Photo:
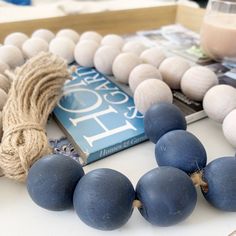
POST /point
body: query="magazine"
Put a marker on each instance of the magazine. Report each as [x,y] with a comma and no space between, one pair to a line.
[97,116]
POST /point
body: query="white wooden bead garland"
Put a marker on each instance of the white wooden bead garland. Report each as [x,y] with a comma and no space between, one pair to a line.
[194,82]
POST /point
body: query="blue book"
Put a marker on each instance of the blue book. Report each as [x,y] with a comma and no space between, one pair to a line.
[98,117]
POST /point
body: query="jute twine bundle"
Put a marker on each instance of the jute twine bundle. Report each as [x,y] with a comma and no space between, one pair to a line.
[35,91]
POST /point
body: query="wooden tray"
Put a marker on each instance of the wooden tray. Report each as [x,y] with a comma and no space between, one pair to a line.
[120,22]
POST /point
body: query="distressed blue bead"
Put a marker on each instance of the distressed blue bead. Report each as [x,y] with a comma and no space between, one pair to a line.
[103,199]
[161,118]
[220,175]
[182,150]
[52,180]
[167,194]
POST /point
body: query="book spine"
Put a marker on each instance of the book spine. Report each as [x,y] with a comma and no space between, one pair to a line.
[115,148]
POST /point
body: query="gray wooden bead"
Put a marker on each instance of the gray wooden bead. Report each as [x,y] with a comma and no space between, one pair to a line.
[68,33]
[33,46]
[44,34]
[63,47]
[5,84]
[229,127]
[219,101]
[16,39]
[113,40]
[91,35]
[123,65]
[153,56]
[12,56]
[135,47]
[104,58]
[197,81]
[172,70]
[141,73]
[1,130]
[149,92]
[3,98]
[84,52]
[3,67]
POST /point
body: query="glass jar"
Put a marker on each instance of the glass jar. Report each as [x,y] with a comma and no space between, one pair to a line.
[218,31]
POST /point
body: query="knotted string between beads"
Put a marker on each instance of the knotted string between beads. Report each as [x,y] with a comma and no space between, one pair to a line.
[34,93]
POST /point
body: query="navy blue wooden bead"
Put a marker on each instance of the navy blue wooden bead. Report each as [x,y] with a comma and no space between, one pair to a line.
[52,180]
[161,118]
[103,199]
[220,175]
[182,150]
[167,194]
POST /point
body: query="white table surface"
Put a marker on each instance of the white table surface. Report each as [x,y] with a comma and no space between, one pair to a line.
[19,216]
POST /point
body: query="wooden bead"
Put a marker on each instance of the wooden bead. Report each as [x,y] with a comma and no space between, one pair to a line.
[123,65]
[104,58]
[3,98]
[229,127]
[16,39]
[91,35]
[153,56]
[219,101]
[172,70]
[113,40]
[5,84]
[135,47]
[11,55]
[45,34]
[69,33]
[3,67]
[85,51]
[1,130]
[197,81]
[141,73]
[63,47]
[149,92]
[33,46]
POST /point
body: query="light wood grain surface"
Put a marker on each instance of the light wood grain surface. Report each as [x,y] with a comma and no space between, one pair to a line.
[125,21]
[190,17]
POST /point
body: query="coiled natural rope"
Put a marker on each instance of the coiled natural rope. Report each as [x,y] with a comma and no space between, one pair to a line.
[34,92]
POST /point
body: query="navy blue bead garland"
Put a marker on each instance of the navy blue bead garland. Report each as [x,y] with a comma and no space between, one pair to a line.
[104,198]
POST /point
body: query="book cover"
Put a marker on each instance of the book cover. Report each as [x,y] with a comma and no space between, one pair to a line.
[97,116]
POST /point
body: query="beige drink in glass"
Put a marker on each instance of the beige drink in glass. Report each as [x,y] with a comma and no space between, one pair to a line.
[218,31]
